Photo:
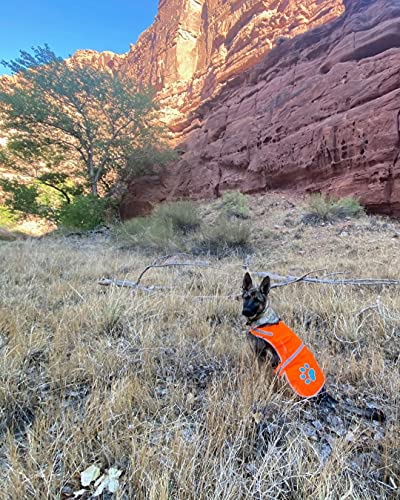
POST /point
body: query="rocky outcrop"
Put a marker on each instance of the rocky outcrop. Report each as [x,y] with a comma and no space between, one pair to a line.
[195,46]
[319,112]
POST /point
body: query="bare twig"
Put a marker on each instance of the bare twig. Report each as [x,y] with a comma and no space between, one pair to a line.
[365,309]
[385,313]
[292,279]
[157,264]
[172,264]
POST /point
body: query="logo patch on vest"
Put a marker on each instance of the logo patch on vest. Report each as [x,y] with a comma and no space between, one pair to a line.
[307,374]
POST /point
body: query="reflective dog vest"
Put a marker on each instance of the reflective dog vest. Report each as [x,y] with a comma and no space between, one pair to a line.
[297,362]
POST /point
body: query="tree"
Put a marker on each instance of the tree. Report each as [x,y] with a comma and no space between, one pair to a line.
[68,120]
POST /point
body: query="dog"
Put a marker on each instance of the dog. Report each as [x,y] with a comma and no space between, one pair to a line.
[266,330]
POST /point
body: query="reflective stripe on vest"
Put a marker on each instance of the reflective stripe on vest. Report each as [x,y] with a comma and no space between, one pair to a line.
[297,362]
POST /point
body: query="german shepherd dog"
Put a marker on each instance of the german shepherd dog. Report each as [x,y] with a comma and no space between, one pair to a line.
[257,310]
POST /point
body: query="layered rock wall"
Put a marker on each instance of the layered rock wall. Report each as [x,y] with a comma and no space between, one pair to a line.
[320,111]
[195,46]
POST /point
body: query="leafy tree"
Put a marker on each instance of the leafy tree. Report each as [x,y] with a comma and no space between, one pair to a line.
[67,120]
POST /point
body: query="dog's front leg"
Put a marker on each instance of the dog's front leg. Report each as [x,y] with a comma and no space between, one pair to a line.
[263,350]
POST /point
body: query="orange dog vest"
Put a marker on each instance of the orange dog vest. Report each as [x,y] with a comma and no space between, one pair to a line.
[297,362]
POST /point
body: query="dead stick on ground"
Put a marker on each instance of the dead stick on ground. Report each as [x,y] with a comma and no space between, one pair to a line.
[306,279]
[173,264]
[132,284]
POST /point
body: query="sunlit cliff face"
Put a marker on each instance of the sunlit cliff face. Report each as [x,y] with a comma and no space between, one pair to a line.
[195,46]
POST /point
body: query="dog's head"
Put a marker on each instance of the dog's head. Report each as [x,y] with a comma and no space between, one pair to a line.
[255,300]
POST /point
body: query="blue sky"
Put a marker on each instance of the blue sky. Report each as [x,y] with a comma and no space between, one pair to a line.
[70,25]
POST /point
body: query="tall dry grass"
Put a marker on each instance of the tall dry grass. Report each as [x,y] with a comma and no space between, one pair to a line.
[164,387]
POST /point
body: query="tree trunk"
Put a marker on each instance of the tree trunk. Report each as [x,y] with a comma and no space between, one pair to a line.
[93,188]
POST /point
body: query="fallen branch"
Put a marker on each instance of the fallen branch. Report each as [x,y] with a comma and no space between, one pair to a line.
[173,264]
[132,284]
[294,279]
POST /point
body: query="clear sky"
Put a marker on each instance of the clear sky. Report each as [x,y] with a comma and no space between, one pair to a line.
[68,25]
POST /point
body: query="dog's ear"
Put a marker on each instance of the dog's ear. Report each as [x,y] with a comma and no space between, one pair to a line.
[247,282]
[265,285]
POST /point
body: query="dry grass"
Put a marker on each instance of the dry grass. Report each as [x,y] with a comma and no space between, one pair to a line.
[164,387]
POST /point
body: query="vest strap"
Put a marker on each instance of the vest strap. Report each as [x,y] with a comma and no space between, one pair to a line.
[281,368]
[262,332]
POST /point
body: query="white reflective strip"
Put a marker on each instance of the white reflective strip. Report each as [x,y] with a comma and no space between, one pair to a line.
[290,358]
[262,332]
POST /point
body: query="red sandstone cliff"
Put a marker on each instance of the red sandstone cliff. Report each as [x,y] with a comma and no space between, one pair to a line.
[318,112]
[195,46]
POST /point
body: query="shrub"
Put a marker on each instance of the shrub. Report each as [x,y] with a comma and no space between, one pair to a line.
[85,212]
[226,235]
[182,215]
[7,217]
[176,227]
[321,208]
[235,204]
[347,207]
[149,233]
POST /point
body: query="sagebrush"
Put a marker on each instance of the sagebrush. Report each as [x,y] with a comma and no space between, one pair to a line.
[321,208]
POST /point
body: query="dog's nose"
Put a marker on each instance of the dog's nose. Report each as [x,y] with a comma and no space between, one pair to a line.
[247,312]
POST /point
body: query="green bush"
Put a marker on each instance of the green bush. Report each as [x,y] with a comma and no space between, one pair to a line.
[235,204]
[182,215]
[347,207]
[226,235]
[321,208]
[7,217]
[86,212]
[149,233]
[176,227]
[167,229]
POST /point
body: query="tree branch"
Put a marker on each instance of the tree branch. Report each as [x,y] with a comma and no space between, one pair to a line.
[64,193]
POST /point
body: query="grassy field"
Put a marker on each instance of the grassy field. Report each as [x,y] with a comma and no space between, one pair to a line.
[164,387]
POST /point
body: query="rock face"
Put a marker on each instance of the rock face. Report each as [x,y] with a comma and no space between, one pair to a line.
[318,112]
[194,46]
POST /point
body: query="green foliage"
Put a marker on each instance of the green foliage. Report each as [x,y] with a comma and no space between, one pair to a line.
[7,217]
[167,229]
[77,120]
[31,199]
[177,227]
[149,233]
[21,198]
[226,235]
[41,56]
[321,208]
[235,204]
[183,216]
[348,207]
[85,213]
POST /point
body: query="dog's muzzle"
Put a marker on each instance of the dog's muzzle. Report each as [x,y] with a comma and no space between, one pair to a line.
[249,312]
